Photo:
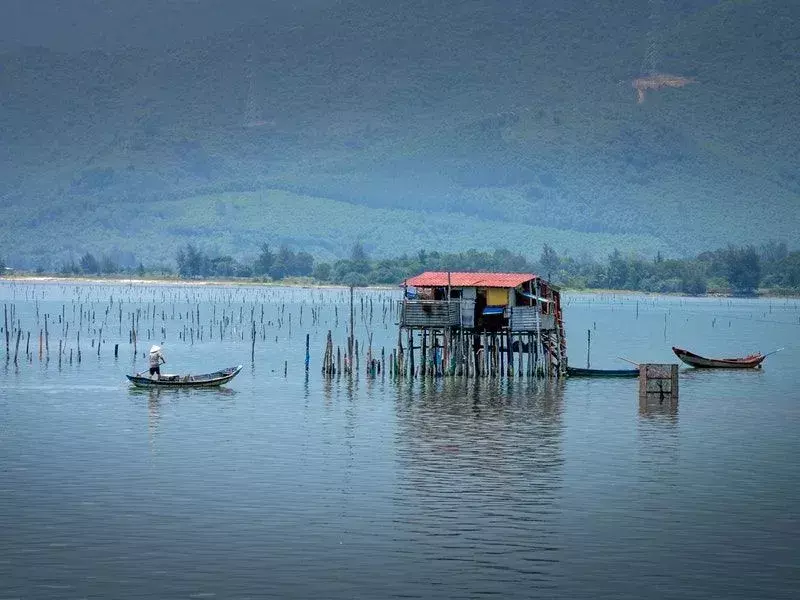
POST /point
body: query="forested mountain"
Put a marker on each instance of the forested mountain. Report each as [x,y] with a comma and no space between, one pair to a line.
[440,125]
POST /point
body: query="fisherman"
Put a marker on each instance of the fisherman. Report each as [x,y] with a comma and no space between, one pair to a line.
[156,359]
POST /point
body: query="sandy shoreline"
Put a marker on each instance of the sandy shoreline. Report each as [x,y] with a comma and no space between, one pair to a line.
[180,282]
[35,279]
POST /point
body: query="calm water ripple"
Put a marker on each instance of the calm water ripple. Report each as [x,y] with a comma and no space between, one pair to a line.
[298,487]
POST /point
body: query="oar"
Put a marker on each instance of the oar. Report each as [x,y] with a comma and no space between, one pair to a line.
[627,360]
[773,352]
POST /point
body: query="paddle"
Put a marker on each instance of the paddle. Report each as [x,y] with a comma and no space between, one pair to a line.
[627,360]
[773,352]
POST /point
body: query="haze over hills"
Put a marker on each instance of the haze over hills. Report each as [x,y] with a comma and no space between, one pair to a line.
[447,125]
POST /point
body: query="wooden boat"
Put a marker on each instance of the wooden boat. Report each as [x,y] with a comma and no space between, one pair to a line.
[205,380]
[695,360]
[576,372]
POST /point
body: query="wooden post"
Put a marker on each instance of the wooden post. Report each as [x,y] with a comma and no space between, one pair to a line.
[5,320]
[588,346]
[411,352]
[510,354]
[16,349]
[351,338]
[308,350]
[658,387]
[253,342]
[424,352]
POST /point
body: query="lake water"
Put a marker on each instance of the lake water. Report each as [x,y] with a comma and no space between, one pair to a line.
[299,487]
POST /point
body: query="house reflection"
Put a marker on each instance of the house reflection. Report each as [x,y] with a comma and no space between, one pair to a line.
[481,462]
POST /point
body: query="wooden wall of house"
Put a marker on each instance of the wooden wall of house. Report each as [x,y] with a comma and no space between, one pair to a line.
[427,313]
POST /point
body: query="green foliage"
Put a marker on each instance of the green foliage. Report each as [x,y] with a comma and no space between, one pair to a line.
[563,155]
[743,269]
[194,263]
[322,272]
[263,264]
[89,264]
[731,269]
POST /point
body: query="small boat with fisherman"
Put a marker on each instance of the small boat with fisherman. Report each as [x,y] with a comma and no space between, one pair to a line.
[166,380]
[752,361]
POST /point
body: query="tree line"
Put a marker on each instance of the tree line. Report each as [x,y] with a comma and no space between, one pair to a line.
[733,269]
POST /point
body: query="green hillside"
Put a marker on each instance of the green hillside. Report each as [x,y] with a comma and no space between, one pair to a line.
[460,125]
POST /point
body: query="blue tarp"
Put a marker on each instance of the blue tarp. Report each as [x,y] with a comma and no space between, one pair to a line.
[493,310]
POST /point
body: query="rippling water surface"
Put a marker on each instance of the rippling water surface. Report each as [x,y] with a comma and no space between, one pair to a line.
[296,486]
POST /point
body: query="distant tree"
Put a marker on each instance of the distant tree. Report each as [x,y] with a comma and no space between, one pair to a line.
[617,271]
[354,279]
[2,267]
[89,264]
[790,270]
[359,259]
[108,266]
[243,270]
[422,257]
[743,269]
[183,268]
[303,264]
[773,252]
[283,263]
[693,279]
[322,272]
[549,260]
[385,273]
[263,264]
[70,268]
[192,262]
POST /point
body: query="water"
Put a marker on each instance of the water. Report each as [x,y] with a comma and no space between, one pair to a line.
[305,488]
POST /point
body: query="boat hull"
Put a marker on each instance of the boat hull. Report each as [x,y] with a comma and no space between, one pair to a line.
[695,360]
[186,381]
[576,372]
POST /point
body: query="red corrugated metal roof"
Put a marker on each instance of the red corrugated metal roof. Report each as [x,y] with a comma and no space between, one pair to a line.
[493,280]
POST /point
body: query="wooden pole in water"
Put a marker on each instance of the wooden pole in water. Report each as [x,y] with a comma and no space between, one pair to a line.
[253,342]
[16,350]
[351,339]
[411,352]
[424,352]
[588,346]
[5,320]
[308,350]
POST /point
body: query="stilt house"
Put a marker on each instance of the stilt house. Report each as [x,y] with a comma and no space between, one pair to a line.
[475,323]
